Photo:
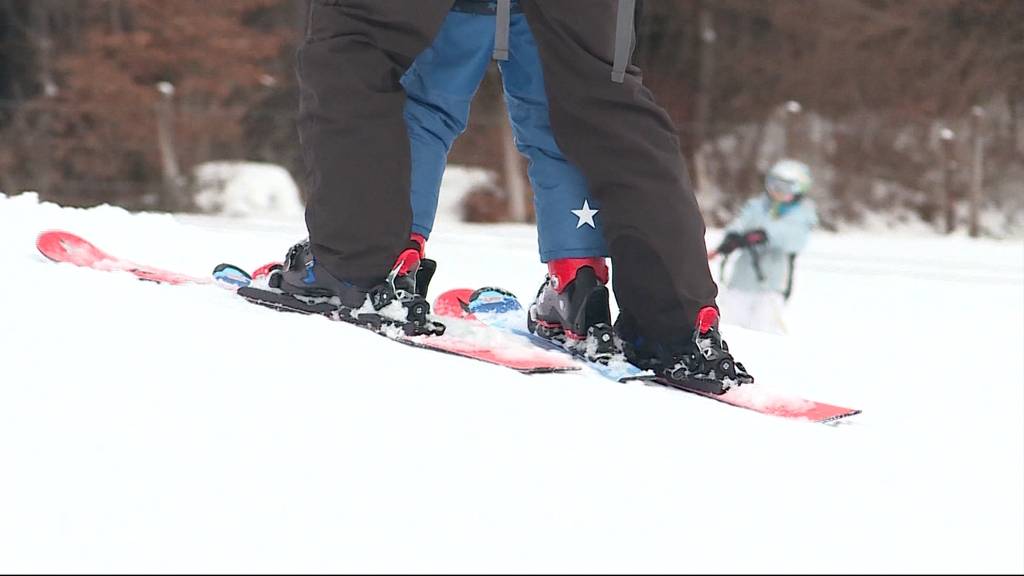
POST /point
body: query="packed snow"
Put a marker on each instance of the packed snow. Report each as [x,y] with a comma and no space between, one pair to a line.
[152,428]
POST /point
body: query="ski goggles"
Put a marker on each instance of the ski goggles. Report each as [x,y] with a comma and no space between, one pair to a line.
[782,188]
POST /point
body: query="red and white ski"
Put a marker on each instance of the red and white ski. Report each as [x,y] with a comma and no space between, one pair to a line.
[775,403]
[464,338]
[61,246]
[499,309]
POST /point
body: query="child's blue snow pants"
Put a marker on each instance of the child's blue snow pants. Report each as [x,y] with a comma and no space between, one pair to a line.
[440,87]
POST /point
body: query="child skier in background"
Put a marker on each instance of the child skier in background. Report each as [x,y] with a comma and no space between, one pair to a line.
[769,232]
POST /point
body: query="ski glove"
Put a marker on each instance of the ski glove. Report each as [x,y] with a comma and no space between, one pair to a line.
[731,242]
[734,240]
[755,237]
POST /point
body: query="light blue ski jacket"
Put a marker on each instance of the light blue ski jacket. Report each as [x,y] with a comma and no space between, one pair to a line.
[788,229]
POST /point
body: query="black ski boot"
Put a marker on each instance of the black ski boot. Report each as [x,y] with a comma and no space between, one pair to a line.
[700,361]
[301,277]
[571,308]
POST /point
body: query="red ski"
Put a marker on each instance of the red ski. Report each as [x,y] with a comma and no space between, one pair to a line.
[773,403]
[61,246]
[498,305]
[464,338]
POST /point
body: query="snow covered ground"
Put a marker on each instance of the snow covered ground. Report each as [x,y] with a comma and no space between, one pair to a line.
[164,429]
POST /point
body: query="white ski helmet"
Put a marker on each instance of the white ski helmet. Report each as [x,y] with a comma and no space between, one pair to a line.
[788,179]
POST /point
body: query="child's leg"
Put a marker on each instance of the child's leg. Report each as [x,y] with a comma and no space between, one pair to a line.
[440,86]
[568,219]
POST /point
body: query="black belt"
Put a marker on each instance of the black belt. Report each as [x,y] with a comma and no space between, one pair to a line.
[483,7]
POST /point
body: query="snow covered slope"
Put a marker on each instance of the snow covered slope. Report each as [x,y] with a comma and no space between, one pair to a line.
[157,428]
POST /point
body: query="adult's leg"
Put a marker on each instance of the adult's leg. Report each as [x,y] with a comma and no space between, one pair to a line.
[627,148]
[440,85]
[568,219]
[352,129]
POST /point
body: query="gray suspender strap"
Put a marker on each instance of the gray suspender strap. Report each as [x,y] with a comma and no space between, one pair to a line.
[483,7]
[503,20]
[624,30]
[502,10]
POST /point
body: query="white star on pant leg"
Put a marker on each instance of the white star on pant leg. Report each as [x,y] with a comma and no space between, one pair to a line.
[586,216]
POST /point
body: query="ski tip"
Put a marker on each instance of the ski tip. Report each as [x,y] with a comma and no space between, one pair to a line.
[231,276]
[453,303]
[63,246]
[267,269]
[466,303]
[50,241]
[492,300]
[839,419]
